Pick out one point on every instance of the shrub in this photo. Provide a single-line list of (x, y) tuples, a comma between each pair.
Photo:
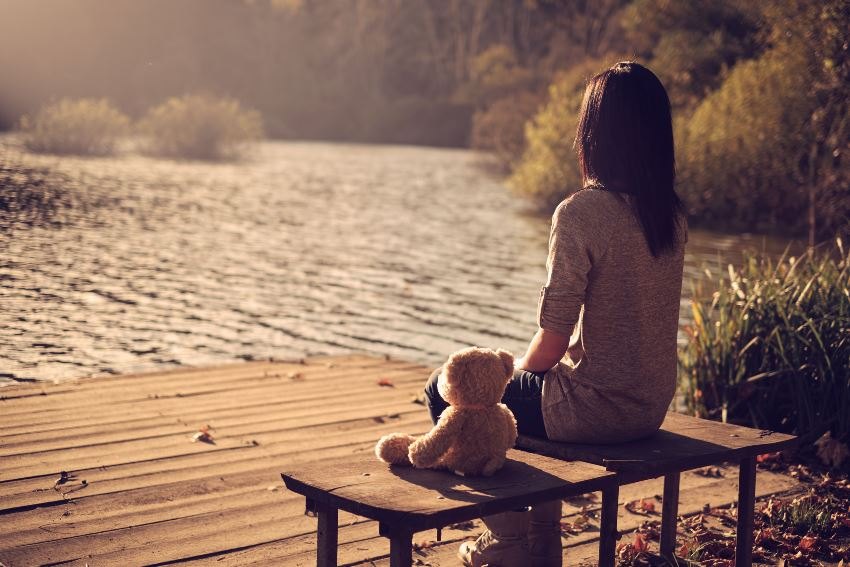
[(82, 126), (548, 170), (200, 127), (770, 347), (739, 147), (500, 128), (494, 74)]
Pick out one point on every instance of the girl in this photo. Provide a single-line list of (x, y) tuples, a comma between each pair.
[(602, 366)]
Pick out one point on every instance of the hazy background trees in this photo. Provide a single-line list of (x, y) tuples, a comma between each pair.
[(760, 89)]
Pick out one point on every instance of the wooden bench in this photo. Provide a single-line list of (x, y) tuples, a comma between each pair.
[(682, 443), (405, 500)]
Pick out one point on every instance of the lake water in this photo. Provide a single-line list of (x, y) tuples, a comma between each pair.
[(115, 265)]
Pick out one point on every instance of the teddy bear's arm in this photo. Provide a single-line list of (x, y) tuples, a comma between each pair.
[(427, 450)]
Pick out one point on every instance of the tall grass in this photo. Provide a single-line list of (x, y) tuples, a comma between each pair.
[(770, 347), (75, 126)]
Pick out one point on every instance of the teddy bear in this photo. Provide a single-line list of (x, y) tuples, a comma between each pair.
[(473, 434)]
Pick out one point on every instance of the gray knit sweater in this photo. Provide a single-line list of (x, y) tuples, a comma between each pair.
[(620, 306)]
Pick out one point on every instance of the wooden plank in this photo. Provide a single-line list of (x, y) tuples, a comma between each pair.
[(374, 403), (283, 392), (419, 499), (682, 443), (300, 441), (81, 398), (197, 375)]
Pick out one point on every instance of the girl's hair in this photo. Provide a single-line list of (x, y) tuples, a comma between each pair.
[(625, 144)]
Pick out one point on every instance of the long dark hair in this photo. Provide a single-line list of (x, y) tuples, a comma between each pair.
[(625, 144)]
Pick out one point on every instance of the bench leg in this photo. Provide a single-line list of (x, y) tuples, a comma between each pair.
[(608, 525), (669, 515), (746, 506), (401, 550), (326, 535), (401, 545)]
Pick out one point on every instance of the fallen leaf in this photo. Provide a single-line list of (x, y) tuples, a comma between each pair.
[(644, 507), (295, 376), (639, 543), (386, 382), (464, 526), (203, 436), (807, 543), (768, 457), (64, 477), (425, 544)]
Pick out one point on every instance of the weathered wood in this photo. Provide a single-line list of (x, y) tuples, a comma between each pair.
[(682, 443), (608, 526), (326, 535), (422, 499), (401, 550), (746, 504), (154, 497), (669, 514)]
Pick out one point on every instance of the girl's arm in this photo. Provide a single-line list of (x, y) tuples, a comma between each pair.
[(544, 351)]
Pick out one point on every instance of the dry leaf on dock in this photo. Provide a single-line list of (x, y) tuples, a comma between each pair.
[(204, 435), (644, 507)]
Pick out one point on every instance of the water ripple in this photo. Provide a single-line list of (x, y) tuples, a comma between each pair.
[(133, 263)]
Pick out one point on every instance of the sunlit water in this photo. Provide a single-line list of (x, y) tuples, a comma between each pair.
[(138, 263)]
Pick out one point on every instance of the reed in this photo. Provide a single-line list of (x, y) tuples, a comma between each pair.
[(770, 345)]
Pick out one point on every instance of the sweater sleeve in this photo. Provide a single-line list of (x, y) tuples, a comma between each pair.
[(574, 243)]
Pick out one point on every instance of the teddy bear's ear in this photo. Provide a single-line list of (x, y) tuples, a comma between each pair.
[(507, 359)]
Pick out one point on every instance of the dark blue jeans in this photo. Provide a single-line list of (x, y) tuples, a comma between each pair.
[(522, 395)]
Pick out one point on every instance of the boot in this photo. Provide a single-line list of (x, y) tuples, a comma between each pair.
[(504, 544), (544, 535)]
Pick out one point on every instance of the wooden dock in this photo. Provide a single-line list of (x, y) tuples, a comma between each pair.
[(104, 471)]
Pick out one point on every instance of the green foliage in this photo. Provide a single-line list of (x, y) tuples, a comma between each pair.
[(496, 73), (806, 514), (200, 127), (548, 170), (82, 126), (505, 93), (737, 154), (500, 128), (690, 44), (770, 347), (769, 147)]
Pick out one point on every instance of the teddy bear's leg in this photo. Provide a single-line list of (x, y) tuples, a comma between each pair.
[(493, 464), (393, 448)]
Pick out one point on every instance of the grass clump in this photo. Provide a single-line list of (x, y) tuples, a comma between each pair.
[(200, 127), (770, 347), (85, 126)]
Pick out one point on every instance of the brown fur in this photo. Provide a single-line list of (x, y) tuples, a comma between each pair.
[(474, 433)]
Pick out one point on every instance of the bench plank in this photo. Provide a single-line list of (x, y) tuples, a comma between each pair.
[(682, 443), (423, 499)]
